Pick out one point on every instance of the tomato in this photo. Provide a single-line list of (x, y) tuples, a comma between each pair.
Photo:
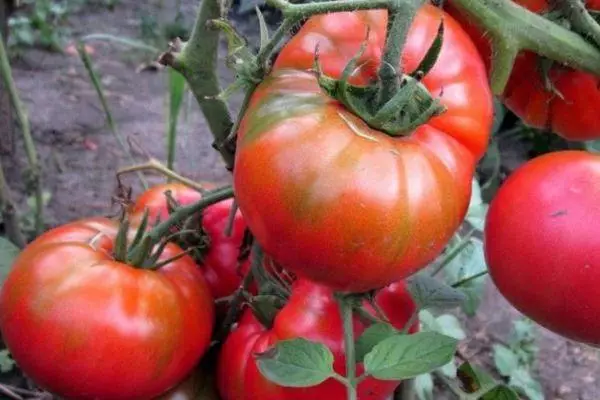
[(569, 108), (541, 242), (85, 326), (340, 203), (313, 314), (219, 263)]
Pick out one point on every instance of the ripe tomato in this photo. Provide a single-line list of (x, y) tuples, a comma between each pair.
[(313, 314), (340, 203), (219, 263), (569, 109), (85, 326), (541, 242)]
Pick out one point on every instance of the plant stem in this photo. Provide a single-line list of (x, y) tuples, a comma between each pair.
[(157, 166), (512, 29), (346, 309), (581, 21), (183, 213), (197, 62), (400, 19), (112, 126), (32, 157), (8, 211), (464, 242), (299, 11), (468, 279)]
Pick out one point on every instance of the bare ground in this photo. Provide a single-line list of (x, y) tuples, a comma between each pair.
[(80, 156)]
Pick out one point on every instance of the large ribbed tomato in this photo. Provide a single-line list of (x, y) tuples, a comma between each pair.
[(222, 270), (335, 201), (542, 242), (85, 326), (565, 103), (313, 314)]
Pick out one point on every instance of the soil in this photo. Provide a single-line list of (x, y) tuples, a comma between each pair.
[(79, 157)]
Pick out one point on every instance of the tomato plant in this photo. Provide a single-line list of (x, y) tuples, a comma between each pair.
[(219, 262), (86, 326), (311, 313), (541, 242), (544, 94), (349, 205)]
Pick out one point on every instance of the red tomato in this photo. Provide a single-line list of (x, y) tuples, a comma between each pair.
[(220, 264), (569, 110), (542, 241), (313, 314), (85, 326), (340, 203)]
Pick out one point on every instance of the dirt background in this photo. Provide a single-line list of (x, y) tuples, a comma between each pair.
[(79, 156)]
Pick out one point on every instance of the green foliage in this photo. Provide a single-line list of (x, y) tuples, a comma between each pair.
[(7, 364), (296, 363), (8, 253), (515, 360)]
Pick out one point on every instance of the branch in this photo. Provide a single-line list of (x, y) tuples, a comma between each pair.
[(513, 29), (197, 61), (581, 21), (32, 157), (157, 166)]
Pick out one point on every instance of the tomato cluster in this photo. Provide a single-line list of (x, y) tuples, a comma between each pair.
[(341, 210)]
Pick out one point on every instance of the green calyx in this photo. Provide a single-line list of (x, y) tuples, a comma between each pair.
[(397, 112)]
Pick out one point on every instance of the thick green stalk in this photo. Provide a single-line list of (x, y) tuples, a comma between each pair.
[(581, 20), (198, 62), (30, 151), (512, 29), (401, 16), (346, 308)]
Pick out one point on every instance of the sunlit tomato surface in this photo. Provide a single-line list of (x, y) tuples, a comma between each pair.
[(85, 326), (220, 264), (564, 103), (340, 203), (542, 241), (313, 314)]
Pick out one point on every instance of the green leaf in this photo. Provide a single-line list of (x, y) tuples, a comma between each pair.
[(500, 392), (407, 356), (505, 359), (296, 363), (264, 30), (468, 263), (522, 381), (247, 6), (424, 387), (474, 379), (449, 369), (428, 291), (6, 362), (523, 330), (451, 326), (8, 254), (373, 335), (477, 210)]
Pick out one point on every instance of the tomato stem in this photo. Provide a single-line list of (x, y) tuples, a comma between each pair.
[(513, 29), (157, 166), (401, 14), (34, 174), (581, 20), (468, 279), (346, 309)]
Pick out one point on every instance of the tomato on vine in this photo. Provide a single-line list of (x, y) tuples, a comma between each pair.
[(86, 325), (544, 94), (219, 261), (313, 314), (341, 203), (541, 242)]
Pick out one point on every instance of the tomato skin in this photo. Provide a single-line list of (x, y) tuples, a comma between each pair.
[(86, 327), (313, 314), (573, 116), (220, 265), (337, 202), (541, 242)]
